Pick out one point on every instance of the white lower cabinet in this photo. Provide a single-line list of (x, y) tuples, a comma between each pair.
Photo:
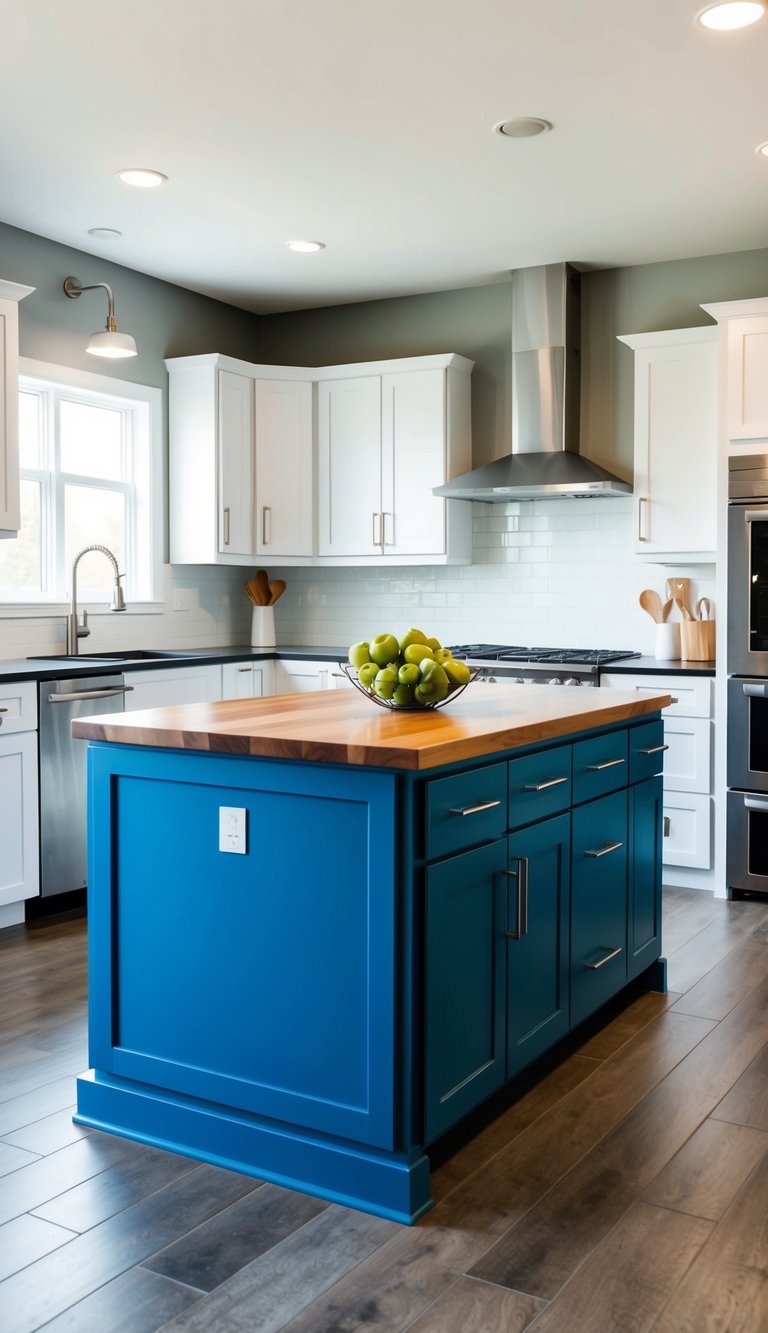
[(246, 680), (688, 768), (165, 686), (19, 843), (292, 676)]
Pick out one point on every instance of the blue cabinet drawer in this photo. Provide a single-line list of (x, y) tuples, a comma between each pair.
[(598, 903), (539, 785), (646, 751), (466, 809), (600, 765)]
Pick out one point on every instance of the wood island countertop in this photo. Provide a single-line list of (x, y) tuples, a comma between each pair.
[(342, 727)]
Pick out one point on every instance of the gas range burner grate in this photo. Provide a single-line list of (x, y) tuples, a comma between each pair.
[(566, 656)]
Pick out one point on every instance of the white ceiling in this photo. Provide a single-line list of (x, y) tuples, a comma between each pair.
[(369, 126)]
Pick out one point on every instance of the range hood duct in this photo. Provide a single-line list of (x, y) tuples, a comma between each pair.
[(545, 463)]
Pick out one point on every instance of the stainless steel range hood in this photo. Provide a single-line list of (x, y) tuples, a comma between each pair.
[(545, 462)]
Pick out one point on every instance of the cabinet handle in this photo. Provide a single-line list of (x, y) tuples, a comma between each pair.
[(377, 538), (475, 809), (641, 536), (609, 763), (603, 851), (666, 827), (3, 710), (755, 691), (90, 694), (226, 525), (521, 875), (245, 668), (265, 540), (542, 786), (653, 749), (593, 967), (384, 541)]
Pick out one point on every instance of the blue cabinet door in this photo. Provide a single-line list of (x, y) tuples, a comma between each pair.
[(538, 908), (465, 983), (645, 852), (598, 903)]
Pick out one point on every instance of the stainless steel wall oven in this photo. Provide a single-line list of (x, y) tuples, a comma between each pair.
[(747, 722)]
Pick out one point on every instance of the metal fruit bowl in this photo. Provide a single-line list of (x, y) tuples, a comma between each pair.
[(351, 673)]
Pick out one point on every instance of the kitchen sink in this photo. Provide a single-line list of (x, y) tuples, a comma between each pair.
[(129, 655)]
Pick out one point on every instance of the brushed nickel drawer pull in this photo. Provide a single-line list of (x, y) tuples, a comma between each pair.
[(475, 809), (521, 875), (226, 525), (542, 786), (666, 826), (245, 668), (603, 851), (265, 509), (3, 710), (593, 967), (609, 763), (641, 500), (653, 749)]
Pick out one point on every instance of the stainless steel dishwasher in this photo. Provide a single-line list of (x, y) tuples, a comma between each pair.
[(63, 854)]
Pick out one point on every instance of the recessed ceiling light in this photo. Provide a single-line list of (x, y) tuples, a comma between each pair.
[(142, 177), (762, 148), (736, 14), (523, 127), (305, 247), (104, 233)]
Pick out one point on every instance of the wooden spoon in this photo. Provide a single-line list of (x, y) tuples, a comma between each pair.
[(651, 602), (683, 609), (666, 608), (262, 583), (680, 589), (276, 589)]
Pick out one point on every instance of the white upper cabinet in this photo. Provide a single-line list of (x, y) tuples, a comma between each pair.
[(236, 464), (349, 466), (747, 412), (284, 470), (413, 454), (10, 295), (675, 433)]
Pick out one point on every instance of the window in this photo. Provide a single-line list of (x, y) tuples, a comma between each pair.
[(89, 453)]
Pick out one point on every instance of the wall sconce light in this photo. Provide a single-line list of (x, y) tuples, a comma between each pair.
[(110, 343)]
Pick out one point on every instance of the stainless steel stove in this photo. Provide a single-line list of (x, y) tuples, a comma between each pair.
[(539, 666)]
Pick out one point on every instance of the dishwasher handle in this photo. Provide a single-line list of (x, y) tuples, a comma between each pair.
[(89, 694)]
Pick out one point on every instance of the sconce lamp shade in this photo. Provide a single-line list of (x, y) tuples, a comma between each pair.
[(112, 345)]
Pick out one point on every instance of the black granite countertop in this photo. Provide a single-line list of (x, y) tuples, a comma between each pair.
[(652, 666)]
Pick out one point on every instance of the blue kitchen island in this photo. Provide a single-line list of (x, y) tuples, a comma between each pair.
[(321, 933)]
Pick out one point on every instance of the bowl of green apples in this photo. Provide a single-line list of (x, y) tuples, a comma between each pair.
[(413, 672)]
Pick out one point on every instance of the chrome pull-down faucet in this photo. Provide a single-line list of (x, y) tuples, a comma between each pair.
[(79, 629)]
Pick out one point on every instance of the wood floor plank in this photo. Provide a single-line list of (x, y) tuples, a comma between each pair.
[(747, 1101), (727, 983), (17, 1083), (695, 959), (49, 1134), (34, 1105), (705, 1176), (12, 1158), (47, 1177), (470, 1306), (136, 1302), (26, 1239), (134, 1177), (561, 1231), (290, 1277), (729, 1280), (235, 1237), (628, 1280), (681, 926), (630, 1019), (50, 1286)]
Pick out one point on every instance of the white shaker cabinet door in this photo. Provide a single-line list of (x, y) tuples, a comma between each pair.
[(19, 857), (413, 461), (284, 471), (246, 680), (236, 482), (167, 686), (10, 512), (748, 378), (349, 466)]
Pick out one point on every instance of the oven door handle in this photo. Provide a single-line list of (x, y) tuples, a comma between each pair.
[(754, 691), (756, 803), (89, 694), (756, 515)]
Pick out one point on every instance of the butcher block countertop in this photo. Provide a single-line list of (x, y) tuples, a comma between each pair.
[(342, 727)]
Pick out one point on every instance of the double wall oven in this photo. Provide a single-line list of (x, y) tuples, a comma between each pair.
[(747, 830)]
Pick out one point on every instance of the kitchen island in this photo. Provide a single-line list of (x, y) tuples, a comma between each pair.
[(321, 933)]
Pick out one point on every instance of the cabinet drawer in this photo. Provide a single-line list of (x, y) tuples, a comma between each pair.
[(646, 750), (687, 837), (18, 707), (599, 903), (600, 765), (466, 809), (687, 762), (539, 785), (692, 694)]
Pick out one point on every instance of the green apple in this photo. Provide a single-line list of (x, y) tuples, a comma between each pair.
[(385, 683), (434, 644), (433, 679), (359, 654), (403, 695), (409, 674), (367, 674), (458, 673), (384, 649), (412, 636), (443, 655), (416, 652), (424, 694)]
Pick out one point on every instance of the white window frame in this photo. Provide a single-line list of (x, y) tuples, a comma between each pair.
[(91, 383)]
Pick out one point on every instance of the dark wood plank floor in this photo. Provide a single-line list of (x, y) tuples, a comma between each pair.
[(623, 1188)]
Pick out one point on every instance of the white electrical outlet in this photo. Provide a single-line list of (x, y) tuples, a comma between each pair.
[(232, 829)]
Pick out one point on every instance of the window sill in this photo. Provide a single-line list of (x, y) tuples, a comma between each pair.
[(46, 610)]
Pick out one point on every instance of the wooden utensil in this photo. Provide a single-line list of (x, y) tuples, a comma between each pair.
[(684, 610), (276, 589), (703, 609), (680, 591), (666, 608), (651, 602)]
